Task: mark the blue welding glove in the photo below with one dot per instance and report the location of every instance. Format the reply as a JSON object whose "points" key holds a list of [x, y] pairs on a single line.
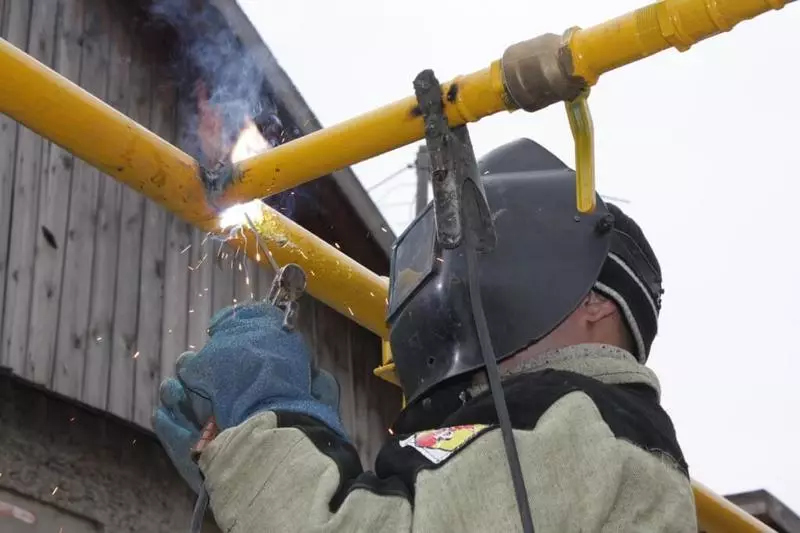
{"points": [[250, 364], [177, 433]]}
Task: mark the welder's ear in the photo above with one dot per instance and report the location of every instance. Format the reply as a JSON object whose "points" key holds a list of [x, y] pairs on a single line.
{"points": [[596, 307]]}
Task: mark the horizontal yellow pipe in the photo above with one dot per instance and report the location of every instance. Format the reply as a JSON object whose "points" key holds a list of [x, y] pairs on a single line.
{"points": [[468, 98], [594, 51], [716, 514], [646, 31], [59, 110]]}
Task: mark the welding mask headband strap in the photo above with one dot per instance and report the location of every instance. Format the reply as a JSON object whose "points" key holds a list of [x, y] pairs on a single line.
{"points": [[495, 386]]}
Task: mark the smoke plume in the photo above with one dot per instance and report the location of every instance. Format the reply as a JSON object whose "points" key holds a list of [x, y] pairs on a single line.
{"points": [[222, 85]]}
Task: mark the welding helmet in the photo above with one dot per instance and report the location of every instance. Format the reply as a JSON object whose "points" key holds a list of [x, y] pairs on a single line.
{"points": [[547, 259]]}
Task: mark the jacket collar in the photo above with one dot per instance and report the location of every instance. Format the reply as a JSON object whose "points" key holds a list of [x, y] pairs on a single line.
{"points": [[603, 362]]}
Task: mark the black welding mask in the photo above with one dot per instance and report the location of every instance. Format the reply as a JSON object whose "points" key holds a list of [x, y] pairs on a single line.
{"points": [[546, 260]]}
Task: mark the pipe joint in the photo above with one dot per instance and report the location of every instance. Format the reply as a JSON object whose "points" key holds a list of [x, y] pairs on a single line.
{"points": [[216, 181], [538, 72]]}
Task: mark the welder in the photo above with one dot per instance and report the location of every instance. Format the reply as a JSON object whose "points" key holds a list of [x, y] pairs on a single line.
{"points": [[572, 303]]}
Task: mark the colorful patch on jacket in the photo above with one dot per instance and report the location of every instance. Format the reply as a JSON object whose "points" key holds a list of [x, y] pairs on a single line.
{"points": [[439, 444]]}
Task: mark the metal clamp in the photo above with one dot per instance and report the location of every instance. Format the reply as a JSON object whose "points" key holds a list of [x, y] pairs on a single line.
{"points": [[459, 201], [463, 219], [287, 288]]}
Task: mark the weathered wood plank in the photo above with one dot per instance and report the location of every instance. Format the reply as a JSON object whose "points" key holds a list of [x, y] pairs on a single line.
{"points": [[73, 328], [126, 305], [199, 266], [364, 356], [106, 255], [385, 399], [255, 286], [28, 174], [15, 27], [306, 318], [5, 196], [252, 271], [265, 276], [333, 349], [176, 295], [174, 332], [2, 18], [54, 198], [151, 290], [222, 291], [389, 402], [200, 285], [242, 284]]}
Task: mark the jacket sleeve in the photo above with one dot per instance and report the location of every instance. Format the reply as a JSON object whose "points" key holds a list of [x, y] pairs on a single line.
{"points": [[279, 472]]}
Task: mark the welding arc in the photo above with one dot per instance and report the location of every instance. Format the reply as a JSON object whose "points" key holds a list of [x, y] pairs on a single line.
{"points": [[262, 246]]}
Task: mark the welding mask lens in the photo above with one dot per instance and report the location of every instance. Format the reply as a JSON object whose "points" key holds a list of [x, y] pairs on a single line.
{"points": [[413, 260]]}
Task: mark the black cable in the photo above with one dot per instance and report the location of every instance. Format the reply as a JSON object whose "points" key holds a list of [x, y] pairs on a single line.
{"points": [[495, 386], [199, 512], [391, 176]]}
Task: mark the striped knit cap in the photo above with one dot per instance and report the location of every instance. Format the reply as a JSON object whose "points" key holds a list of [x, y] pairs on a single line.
{"points": [[631, 276]]}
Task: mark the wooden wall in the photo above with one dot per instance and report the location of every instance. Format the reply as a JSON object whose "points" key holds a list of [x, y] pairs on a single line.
{"points": [[101, 290]]}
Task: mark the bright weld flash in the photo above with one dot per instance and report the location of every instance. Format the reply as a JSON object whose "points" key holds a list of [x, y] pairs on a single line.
{"points": [[236, 216]]}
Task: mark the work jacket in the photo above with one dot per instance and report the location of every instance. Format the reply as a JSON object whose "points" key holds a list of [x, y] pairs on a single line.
{"points": [[598, 453]]}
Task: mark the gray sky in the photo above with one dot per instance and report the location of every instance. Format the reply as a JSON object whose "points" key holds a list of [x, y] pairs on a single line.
{"points": [[705, 146]]}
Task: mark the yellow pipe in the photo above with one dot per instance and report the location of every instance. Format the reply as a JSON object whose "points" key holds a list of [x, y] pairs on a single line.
{"points": [[716, 514], [590, 52], [333, 277], [580, 122], [468, 98], [667, 24], [54, 107], [59, 110]]}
